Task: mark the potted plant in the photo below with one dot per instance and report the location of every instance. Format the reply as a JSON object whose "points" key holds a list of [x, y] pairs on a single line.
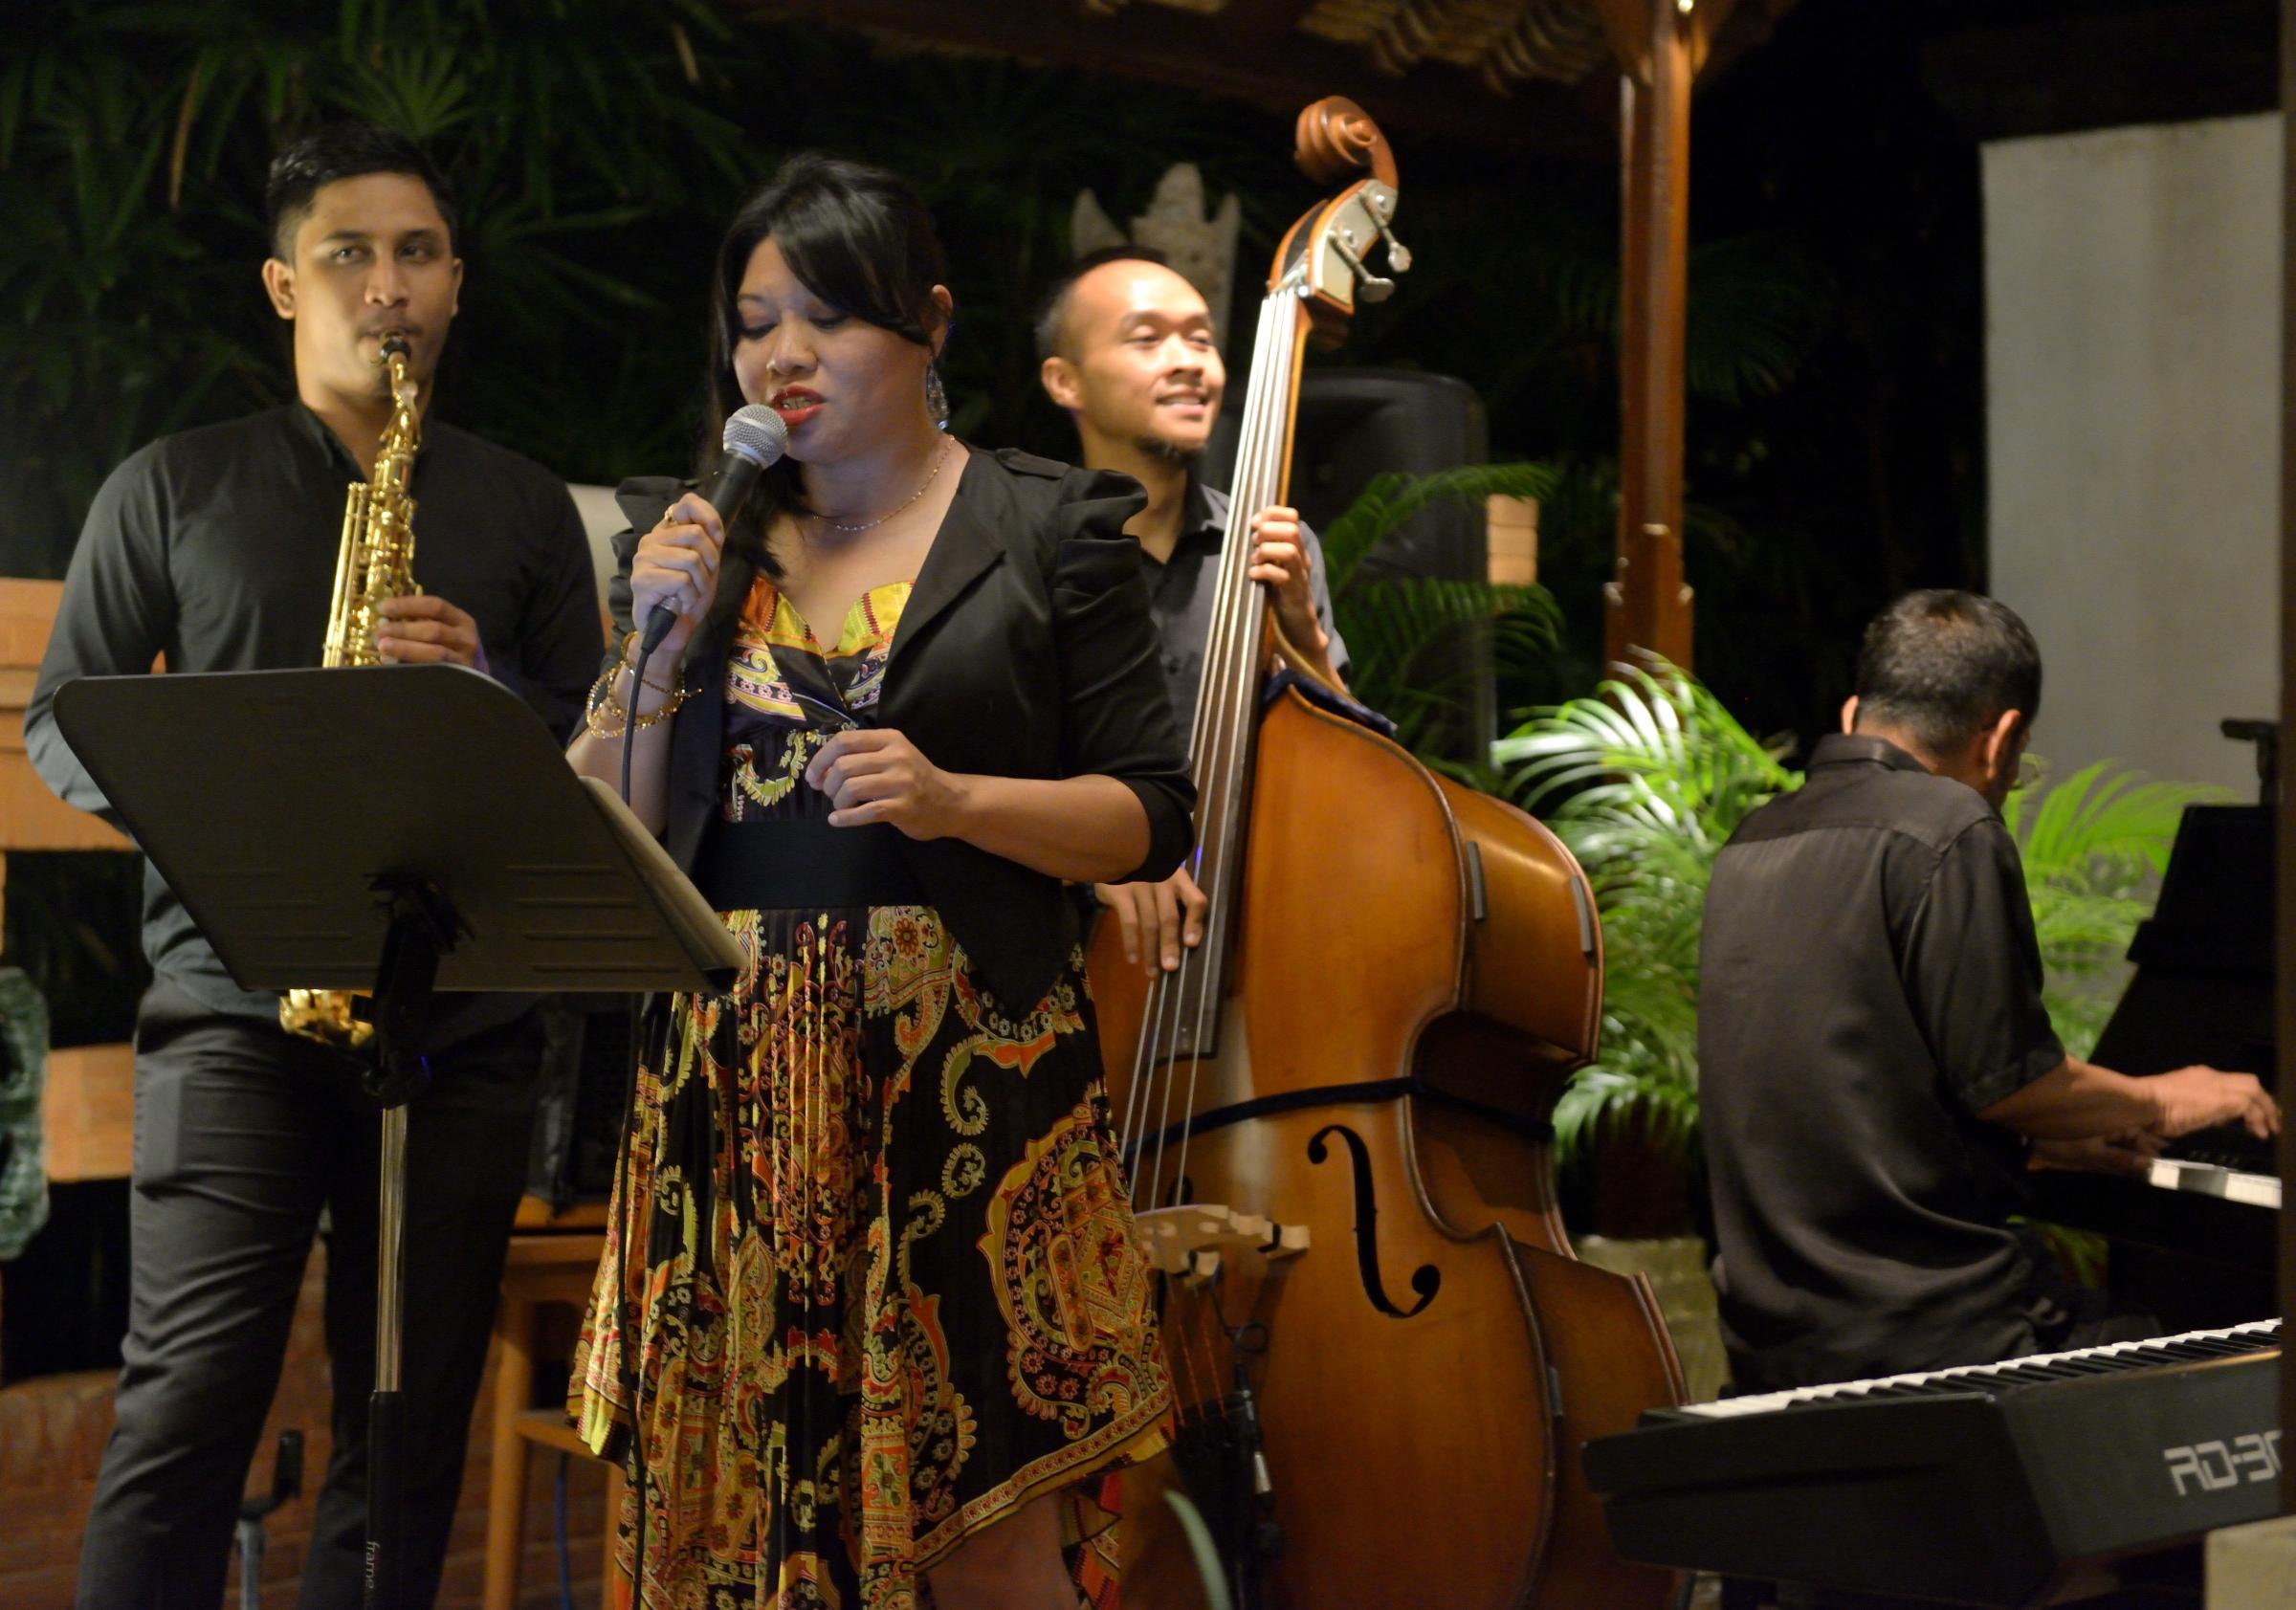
{"points": [[1412, 638]]}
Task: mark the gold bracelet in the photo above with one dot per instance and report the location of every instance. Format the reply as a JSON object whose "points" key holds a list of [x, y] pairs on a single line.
{"points": [[628, 663], [607, 717]]}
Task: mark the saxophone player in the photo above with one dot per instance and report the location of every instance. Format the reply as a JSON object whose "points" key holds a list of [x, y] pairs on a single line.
{"points": [[217, 547]]}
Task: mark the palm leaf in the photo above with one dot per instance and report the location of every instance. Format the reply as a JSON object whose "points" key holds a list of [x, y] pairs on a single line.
{"points": [[1644, 781], [1421, 644], [1650, 746], [2094, 847], [2101, 818], [1390, 499]]}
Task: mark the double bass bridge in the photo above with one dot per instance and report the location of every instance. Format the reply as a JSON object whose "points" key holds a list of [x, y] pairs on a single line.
{"points": [[1187, 1242]]}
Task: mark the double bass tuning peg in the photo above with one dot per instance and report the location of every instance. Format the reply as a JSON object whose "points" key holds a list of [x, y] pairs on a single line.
{"points": [[1378, 206], [1370, 286], [1399, 256], [1352, 240]]}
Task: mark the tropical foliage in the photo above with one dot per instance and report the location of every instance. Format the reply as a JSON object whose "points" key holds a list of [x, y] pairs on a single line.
{"points": [[598, 145], [1644, 780], [1422, 644], [1647, 780], [2094, 847], [133, 141]]}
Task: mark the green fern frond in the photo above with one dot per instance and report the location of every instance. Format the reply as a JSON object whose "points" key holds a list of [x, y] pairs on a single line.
{"points": [[2100, 823], [2093, 846], [1388, 500]]}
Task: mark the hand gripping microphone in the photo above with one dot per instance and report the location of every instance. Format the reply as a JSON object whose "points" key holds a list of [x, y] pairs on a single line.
{"points": [[754, 440]]}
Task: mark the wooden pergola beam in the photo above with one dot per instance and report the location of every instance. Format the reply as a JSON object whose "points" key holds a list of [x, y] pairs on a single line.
{"points": [[1662, 47], [1251, 50], [1257, 23], [1254, 56], [1658, 45]]}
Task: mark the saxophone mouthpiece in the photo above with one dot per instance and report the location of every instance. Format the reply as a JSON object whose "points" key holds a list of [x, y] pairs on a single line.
{"points": [[396, 360]]}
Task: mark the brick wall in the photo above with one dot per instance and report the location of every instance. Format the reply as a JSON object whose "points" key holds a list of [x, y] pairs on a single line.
{"points": [[52, 1433]]}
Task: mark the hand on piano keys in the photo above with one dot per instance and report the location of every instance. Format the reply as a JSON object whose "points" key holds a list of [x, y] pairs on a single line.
{"points": [[2131, 1153], [2197, 1097]]}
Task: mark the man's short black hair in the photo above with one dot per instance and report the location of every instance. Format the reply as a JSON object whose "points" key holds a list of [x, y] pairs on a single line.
{"points": [[1941, 664], [344, 151], [1052, 313]]}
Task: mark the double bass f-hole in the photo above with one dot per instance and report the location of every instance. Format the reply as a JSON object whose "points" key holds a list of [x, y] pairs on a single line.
{"points": [[1425, 1279]]}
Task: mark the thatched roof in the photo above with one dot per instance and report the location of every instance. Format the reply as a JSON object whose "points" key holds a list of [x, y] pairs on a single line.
{"points": [[1531, 73]]}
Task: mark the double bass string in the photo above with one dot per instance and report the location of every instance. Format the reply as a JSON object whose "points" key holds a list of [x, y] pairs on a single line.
{"points": [[1243, 611], [1218, 747], [1232, 675], [1221, 732], [1211, 750]]}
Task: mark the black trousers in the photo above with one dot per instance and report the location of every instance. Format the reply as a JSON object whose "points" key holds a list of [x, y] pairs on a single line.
{"points": [[243, 1136]]}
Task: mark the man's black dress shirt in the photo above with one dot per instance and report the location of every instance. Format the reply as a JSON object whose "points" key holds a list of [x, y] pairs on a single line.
{"points": [[1182, 592], [217, 548], [1870, 982]]}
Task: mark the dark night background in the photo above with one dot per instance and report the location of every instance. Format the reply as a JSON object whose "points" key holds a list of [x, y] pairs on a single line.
{"points": [[1835, 421], [1836, 427]]}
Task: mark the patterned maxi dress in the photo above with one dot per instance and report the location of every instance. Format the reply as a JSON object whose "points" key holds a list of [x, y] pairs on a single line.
{"points": [[880, 1287]]}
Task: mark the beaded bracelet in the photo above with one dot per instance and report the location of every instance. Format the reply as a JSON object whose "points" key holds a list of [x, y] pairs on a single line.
{"points": [[602, 707]]}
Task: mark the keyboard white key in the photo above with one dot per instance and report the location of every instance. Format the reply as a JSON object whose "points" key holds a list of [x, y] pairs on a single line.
{"points": [[1972, 1376], [2257, 1190]]}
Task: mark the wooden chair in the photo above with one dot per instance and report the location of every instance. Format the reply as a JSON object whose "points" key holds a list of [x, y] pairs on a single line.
{"points": [[546, 1265]]}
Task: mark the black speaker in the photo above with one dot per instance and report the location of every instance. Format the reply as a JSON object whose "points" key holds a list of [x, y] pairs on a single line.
{"points": [[1355, 424]]}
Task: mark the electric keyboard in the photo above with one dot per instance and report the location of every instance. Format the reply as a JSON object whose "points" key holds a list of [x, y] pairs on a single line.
{"points": [[1993, 1485]]}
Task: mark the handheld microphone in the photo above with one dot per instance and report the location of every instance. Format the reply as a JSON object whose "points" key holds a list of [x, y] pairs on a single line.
{"points": [[754, 440]]}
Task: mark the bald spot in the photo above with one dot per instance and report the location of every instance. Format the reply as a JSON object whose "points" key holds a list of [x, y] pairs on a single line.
{"points": [[1104, 297]]}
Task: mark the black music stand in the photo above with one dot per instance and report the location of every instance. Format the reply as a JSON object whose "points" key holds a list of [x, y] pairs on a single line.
{"points": [[403, 830]]}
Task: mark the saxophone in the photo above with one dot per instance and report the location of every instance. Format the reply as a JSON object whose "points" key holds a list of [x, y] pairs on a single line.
{"points": [[375, 562]]}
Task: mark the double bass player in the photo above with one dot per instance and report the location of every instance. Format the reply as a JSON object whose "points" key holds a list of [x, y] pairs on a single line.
{"points": [[1126, 349]]}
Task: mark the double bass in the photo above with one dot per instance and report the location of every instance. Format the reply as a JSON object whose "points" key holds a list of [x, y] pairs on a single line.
{"points": [[1335, 1115]]}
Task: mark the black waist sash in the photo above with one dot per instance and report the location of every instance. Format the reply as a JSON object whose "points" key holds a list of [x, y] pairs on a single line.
{"points": [[802, 864]]}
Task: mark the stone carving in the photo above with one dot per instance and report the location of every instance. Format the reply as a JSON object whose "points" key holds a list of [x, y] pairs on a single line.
{"points": [[1201, 245]]}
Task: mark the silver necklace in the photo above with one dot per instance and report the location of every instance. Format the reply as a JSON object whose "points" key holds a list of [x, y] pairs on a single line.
{"points": [[938, 459]]}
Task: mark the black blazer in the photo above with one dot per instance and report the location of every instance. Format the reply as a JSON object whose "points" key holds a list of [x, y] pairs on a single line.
{"points": [[1025, 649]]}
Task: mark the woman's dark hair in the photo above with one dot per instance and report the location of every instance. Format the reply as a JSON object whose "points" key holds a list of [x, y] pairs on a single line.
{"points": [[1941, 664], [858, 238]]}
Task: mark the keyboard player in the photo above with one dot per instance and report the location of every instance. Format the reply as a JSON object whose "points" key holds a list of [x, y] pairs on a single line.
{"points": [[1876, 1063]]}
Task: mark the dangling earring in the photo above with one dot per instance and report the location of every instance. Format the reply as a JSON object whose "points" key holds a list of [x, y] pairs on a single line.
{"points": [[937, 398]]}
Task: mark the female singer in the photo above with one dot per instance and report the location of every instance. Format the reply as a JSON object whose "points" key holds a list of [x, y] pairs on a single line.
{"points": [[871, 1313]]}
